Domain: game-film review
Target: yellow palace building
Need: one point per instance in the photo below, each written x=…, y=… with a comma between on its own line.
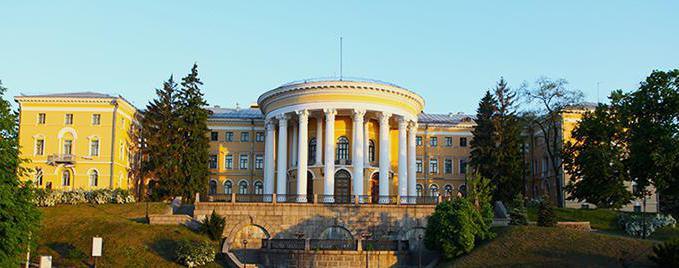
x=77, y=140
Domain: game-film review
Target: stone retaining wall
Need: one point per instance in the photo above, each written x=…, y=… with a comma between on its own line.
x=331, y=258
x=169, y=219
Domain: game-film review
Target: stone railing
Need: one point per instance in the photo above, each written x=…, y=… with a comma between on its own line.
x=327, y=199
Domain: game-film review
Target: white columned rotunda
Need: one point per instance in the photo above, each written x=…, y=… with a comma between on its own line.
x=362, y=141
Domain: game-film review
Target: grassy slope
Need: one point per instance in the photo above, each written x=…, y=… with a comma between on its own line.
x=531, y=246
x=67, y=230
x=600, y=219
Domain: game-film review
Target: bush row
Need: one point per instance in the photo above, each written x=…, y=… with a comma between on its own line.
x=633, y=224
x=49, y=198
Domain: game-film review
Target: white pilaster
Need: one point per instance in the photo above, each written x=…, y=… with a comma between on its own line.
x=319, y=139
x=384, y=158
x=329, y=186
x=358, y=152
x=282, y=179
x=269, y=160
x=412, y=165
x=302, y=154
x=402, y=160
x=293, y=145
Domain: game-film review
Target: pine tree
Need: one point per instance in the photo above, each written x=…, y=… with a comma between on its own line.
x=19, y=217
x=508, y=157
x=483, y=143
x=196, y=144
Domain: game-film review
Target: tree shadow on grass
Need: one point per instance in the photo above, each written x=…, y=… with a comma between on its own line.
x=69, y=252
x=165, y=248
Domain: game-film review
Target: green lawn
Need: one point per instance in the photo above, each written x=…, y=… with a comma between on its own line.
x=67, y=233
x=532, y=246
x=600, y=219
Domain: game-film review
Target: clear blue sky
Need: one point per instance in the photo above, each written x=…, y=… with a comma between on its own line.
x=449, y=53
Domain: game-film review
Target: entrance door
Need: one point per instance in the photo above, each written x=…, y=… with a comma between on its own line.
x=375, y=188
x=342, y=186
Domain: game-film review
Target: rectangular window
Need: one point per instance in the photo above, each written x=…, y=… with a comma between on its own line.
x=545, y=163
x=418, y=164
x=259, y=162
x=433, y=166
x=94, y=148
x=463, y=166
x=69, y=119
x=449, y=141
x=245, y=136
x=96, y=119
x=448, y=166
x=214, y=136
x=463, y=142
x=244, y=161
x=228, y=136
x=228, y=162
x=259, y=137
x=40, y=147
x=418, y=140
x=433, y=141
x=213, y=161
x=41, y=118
x=68, y=145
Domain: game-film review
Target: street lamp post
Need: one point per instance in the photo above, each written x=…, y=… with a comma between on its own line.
x=245, y=253
x=419, y=250
x=365, y=237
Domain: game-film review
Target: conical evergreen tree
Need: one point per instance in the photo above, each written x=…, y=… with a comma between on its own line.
x=483, y=144
x=193, y=130
x=508, y=157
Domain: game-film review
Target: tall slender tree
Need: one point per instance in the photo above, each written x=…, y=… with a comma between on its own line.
x=508, y=155
x=196, y=145
x=19, y=217
x=482, y=157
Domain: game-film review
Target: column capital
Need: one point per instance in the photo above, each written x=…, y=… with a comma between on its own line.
x=358, y=114
x=303, y=113
x=412, y=125
x=282, y=117
x=330, y=111
x=403, y=122
x=269, y=124
x=384, y=117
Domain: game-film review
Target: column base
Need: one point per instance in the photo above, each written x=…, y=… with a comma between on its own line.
x=302, y=199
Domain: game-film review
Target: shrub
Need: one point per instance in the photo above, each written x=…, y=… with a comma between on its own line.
x=194, y=253
x=48, y=198
x=633, y=224
x=518, y=214
x=666, y=254
x=213, y=226
x=546, y=215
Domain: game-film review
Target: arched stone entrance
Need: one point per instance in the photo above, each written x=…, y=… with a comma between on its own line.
x=342, y=192
x=375, y=188
x=336, y=233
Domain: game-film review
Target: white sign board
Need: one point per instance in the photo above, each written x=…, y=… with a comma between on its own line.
x=96, y=246
x=45, y=261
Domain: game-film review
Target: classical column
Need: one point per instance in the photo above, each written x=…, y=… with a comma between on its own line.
x=366, y=144
x=358, y=153
x=293, y=145
x=282, y=179
x=412, y=165
x=269, y=160
x=402, y=160
x=319, y=139
x=384, y=157
x=329, y=186
x=302, y=154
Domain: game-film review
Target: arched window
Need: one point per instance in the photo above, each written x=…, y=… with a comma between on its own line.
x=312, y=150
x=94, y=178
x=259, y=187
x=434, y=190
x=342, y=148
x=38, y=176
x=419, y=189
x=243, y=187
x=448, y=189
x=228, y=187
x=213, y=187
x=66, y=178
x=371, y=151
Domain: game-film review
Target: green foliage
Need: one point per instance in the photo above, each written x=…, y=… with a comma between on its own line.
x=194, y=253
x=496, y=147
x=19, y=217
x=596, y=159
x=175, y=127
x=213, y=226
x=666, y=254
x=546, y=215
x=49, y=198
x=518, y=214
x=456, y=225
